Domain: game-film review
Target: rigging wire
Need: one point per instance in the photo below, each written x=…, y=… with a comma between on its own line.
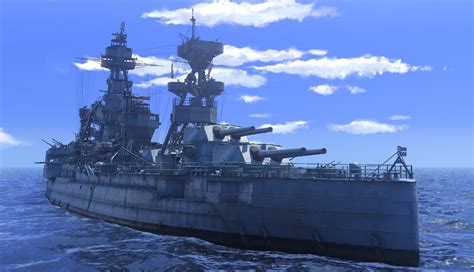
x=77, y=89
x=82, y=86
x=156, y=47
x=165, y=114
x=224, y=96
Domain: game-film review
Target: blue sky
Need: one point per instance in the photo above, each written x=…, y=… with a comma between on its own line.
x=328, y=74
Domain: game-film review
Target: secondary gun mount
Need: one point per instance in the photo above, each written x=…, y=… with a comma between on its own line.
x=280, y=154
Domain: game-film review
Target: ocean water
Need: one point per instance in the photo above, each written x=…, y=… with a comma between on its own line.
x=37, y=236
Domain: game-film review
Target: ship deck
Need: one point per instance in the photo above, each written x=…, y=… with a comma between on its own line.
x=326, y=171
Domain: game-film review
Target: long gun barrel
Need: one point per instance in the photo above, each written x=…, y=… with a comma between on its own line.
x=221, y=133
x=251, y=132
x=279, y=154
x=310, y=152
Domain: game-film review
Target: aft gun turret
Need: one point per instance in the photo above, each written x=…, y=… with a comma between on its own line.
x=280, y=154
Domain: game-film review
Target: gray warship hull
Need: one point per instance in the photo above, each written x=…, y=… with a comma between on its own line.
x=364, y=220
x=209, y=180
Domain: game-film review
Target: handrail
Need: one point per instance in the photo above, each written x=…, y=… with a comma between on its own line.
x=293, y=170
x=190, y=102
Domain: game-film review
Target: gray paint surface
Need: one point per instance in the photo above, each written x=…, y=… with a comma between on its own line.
x=210, y=181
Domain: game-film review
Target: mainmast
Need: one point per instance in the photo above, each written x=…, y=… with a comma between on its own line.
x=195, y=104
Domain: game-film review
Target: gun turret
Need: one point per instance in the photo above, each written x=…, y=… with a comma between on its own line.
x=279, y=154
x=221, y=133
x=251, y=132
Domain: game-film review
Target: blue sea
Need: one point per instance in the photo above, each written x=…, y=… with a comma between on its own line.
x=37, y=236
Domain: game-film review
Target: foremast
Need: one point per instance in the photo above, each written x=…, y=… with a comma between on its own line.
x=119, y=118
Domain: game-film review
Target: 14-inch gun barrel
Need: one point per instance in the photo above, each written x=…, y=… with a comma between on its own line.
x=252, y=132
x=279, y=154
x=221, y=133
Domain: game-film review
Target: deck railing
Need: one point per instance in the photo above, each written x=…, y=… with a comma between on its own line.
x=290, y=170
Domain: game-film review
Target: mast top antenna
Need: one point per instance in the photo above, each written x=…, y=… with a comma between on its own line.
x=122, y=28
x=193, y=20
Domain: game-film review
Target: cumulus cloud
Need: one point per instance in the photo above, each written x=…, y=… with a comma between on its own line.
x=90, y=65
x=329, y=89
x=159, y=81
x=238, y=77
x=163, y=68
x=236, y=56
x=355, y=89
x=249, y=99
x=260, y=115
x=8, y=140
x=231, y=77
x=318, y=52
x=399, y=117
x=363, y=127
x=424, y=68
x=340, y=68
x=323, y=89
x=287, y=127
x=243, y=13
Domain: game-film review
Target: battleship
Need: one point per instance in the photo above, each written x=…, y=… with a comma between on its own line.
x=210, y=181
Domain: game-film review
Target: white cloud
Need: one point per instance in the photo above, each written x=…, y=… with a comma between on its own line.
x=340, y=68
x=90, y=65
x=362, y=127
x=159, y=81
x=425, y=68
x=323, y=89
x=318, y=52
x=287, y=127
x=399, y=117
x=231, y=77
x=237, y=77
x=249, y=99
x=355, y=89
x=241, y=13
x=163, y=68
x=260, y=115
x=329, y=89
x=236, y=56
x=8, y=140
